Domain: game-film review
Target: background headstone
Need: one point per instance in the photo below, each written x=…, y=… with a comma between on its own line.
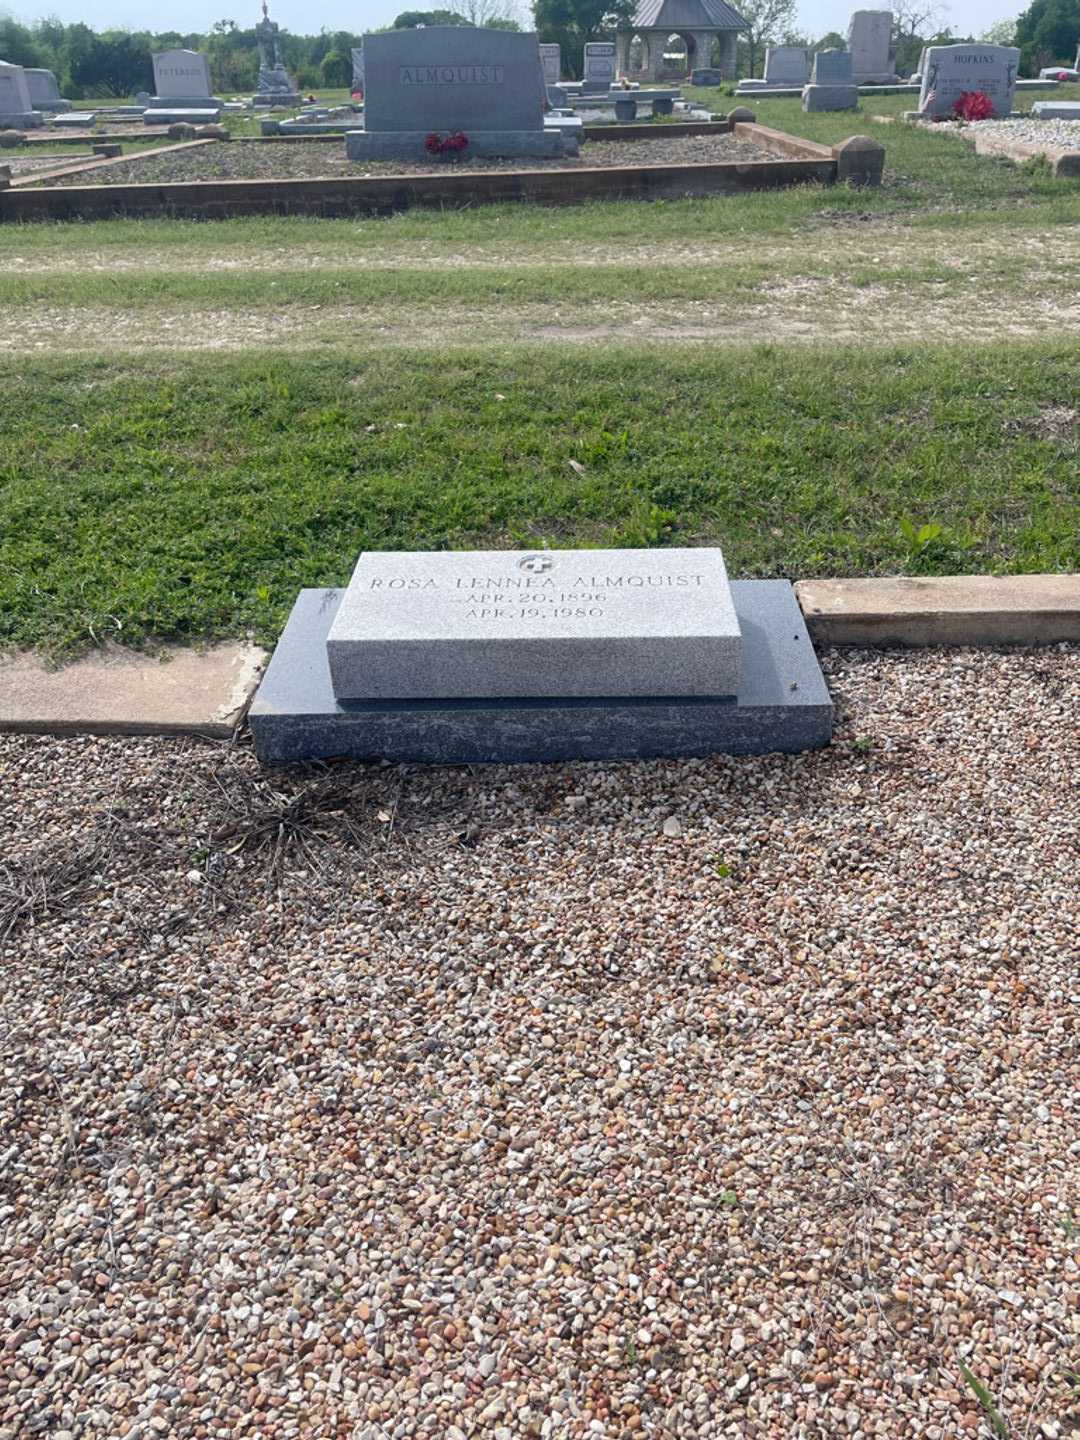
x=830, y=97
x=786, y=65
x=180, y=74
x=15, y=107
x=870, y=43
x=485, y=84
x=452, y=77
x=44, y=91
x=950, y=70
x=832, y=67
x=551, y=60
x=1056, y=110
x=276, y=86
x=358, y=68
x=600, y=71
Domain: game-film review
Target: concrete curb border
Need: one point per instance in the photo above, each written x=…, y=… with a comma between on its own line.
x=207, y=692
x=116, y=691
x=98, y=162
x=801, y=161
x=943, y=610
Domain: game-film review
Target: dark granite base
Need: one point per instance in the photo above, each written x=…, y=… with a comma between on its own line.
x=783, y=704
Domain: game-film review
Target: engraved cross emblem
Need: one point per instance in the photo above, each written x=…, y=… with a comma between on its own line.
x=535, y=564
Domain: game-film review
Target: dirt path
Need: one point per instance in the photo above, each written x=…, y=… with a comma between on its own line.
x=885, y=244
x=807, y=311
x=989, y=288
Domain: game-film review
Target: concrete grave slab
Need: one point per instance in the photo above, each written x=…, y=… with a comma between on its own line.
x=119, y=691
x=783, y=704
x=173, y=116
x=1057, y=110
x=498, y=623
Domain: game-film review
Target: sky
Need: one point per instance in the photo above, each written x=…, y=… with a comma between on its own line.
x=816, y=17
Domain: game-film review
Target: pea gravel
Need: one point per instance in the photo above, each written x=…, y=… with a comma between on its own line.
x=733, y=1097
x=1054, y=134
x=302, y=160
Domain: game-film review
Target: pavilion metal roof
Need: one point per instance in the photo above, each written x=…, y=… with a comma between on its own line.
x=687, y=15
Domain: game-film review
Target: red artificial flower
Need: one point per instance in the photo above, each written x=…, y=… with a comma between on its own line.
x=453, y=144
x=973, y=105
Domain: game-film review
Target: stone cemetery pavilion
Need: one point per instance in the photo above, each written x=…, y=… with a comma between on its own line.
x=704, y=26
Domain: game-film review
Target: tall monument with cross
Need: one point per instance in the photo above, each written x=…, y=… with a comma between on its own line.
x=276, y=86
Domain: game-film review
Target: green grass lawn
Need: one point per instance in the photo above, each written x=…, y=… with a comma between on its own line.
x=183, y=501
x=415, y=402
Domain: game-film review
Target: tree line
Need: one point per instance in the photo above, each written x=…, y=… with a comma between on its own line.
x=92, y=64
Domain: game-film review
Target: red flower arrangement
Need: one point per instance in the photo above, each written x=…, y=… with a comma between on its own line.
x=454, y=144
x=973, y=105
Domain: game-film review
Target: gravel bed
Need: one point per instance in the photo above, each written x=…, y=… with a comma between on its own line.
x=297, y=160
x=23, y=164
x=687, y=1099
x=1054, y=134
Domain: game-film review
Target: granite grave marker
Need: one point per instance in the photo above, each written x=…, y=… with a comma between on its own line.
x=832, y=67
x=600, y=66
x=504, y=656
x=831, y=84
x=45, y=92
x=551, y=60
x=444, y=80
x=16, y=111
x=951, y=70
x=786, y=65
x=276, y=86
x=181, y=75
x=870, y=43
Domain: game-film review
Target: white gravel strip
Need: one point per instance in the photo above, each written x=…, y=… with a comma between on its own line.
x=1053, y=134
x=714, y=1098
